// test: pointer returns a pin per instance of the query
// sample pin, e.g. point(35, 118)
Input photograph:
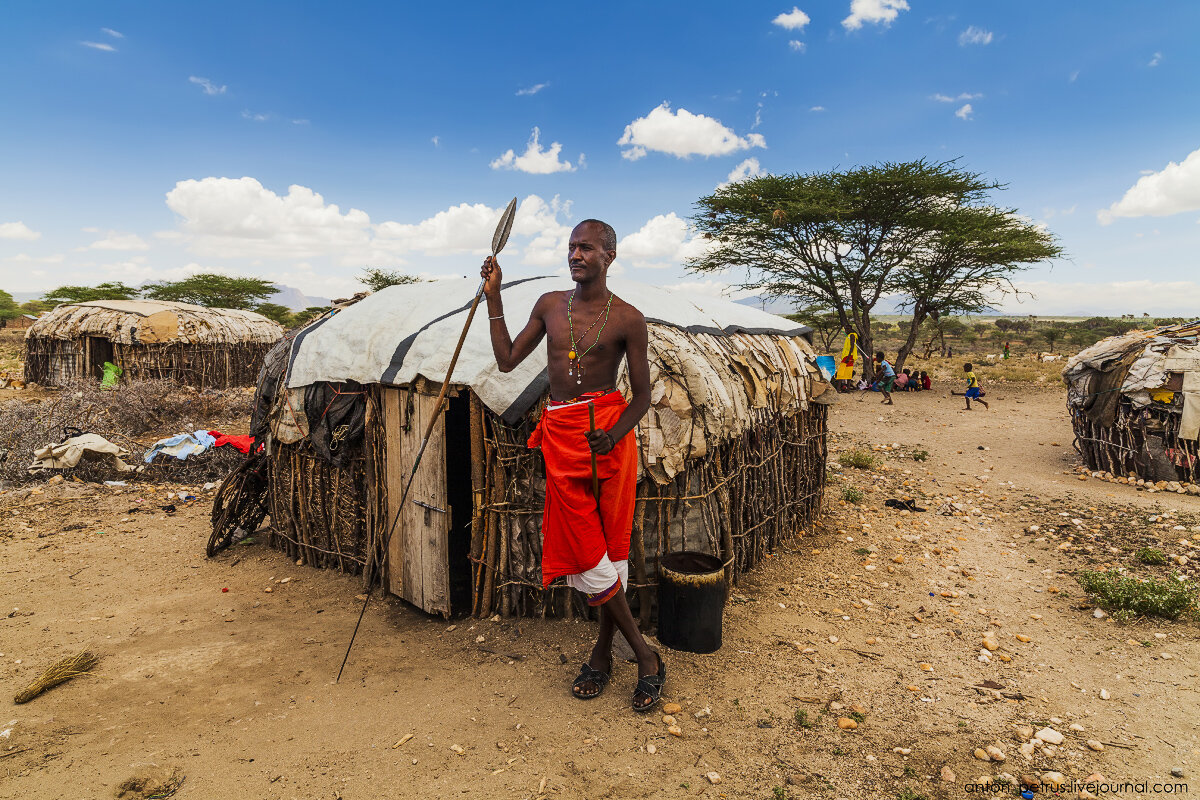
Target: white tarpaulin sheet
point(402, 332)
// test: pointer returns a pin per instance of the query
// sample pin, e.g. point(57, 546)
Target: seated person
point(926, 382)
point(902, 381)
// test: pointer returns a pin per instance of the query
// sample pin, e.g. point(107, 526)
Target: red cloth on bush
point(242, 443)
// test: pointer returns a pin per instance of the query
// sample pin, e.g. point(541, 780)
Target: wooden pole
point(591, 430)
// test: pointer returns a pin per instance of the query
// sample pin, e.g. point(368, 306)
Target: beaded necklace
point(576, 358)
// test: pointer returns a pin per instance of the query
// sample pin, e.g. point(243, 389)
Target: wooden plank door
point(419, 553)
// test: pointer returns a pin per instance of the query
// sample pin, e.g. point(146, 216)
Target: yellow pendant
point(571, 355)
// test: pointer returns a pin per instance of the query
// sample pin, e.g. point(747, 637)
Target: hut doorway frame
point(99, 349)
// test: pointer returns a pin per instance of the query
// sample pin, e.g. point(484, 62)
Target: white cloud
point(238, 217)
point(945, 98)
point(534, 160)
point(437, 141)
point(25, 258)
point(664, 241)
point(17, 230)
point(537, 87)
point(108, 48)
point(973, 35)
point(255, 117)
point(877, 12)
point(208, 86)
point(112, 33)
point(682, 134)
point(1158, 298)
point(119, 241)
point(301, 122)
point(965, 112)
point(797, 46)
point(750, 168)
point(793, 20)
point(1154, 62)
point(817, 108)
point(1074, 76)
point(1172, 190)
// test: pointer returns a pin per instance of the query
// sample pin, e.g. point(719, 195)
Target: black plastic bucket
point(691, 601)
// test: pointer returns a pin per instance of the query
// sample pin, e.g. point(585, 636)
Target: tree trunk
point(907, 348)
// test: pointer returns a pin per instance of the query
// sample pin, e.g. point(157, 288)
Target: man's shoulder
point(627, 309)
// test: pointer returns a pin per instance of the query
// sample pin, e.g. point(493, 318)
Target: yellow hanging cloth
point(845, 366)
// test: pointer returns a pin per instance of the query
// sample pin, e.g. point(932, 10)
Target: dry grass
point(57, 673)
point(133, 416)
point(10, 352)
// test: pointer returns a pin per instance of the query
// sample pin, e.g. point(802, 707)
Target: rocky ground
point(886, 654)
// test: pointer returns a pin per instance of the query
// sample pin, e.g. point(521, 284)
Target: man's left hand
point(600, 441)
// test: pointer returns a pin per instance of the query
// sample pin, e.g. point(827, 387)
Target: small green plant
point(859, 459)
point(837, 751)
point(920, 455)
point(852, 494)
point(858, 716)
point(1169, 597)
point(802, 719)
point(1151, 555)
point(910, 794)
point(862, 551)
point(685, 786)
point(909, 772)
point(779, 793)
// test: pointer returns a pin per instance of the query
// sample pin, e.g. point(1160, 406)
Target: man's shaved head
point(608, 236)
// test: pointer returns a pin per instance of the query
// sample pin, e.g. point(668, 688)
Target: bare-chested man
point(588, 331)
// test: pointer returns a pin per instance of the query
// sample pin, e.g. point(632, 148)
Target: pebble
point(904, 751)
point(995, 752)
point(1023, 638)
point(1099, 613)
point(846, 724)
point(1050, 736)
point(1104, 695)
point(1055, 779)
point(1075, 726)
point(833, 640)
point(947, 775)
point(1177, 772)
point(713, 777)
point(672, 708)
point(925, 667)
point(1095, 744)
point(990, 644)
point(458, 749)
point(675, 730)
point(982, 754)
point(1027, 748)
point(1024, 733)
point(651, 749)
point(668, 719)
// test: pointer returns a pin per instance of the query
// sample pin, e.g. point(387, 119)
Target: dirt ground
point(223, 670)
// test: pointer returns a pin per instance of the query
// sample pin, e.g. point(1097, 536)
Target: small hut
point(732, 451)
point(149, 339)
point(1135, 405)
point(18, 323)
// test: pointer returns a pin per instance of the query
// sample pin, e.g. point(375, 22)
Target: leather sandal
point(589, 674)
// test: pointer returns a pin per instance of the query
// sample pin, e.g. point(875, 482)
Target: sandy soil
point(234, 689)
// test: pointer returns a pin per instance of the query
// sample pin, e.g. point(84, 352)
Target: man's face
point(586, 256)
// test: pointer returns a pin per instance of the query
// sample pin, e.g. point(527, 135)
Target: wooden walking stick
point(499, 239)
point(592, 429)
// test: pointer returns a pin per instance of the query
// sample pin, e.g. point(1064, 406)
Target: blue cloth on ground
point(181, 445)
point(827, 365)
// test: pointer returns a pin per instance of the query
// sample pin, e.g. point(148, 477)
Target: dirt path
point(235, 688)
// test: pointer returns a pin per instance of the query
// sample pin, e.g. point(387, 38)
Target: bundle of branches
point(124, 416)
point(57, 673)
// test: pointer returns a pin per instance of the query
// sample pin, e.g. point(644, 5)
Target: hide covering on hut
point(732, 451)
point(1135, 405)
point(149, 339)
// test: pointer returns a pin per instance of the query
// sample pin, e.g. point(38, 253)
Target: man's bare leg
point(601, 657)
point(622, 617)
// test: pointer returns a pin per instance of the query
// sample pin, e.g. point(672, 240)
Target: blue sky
point(303, 141)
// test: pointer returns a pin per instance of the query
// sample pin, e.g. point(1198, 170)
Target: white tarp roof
point(402, 332)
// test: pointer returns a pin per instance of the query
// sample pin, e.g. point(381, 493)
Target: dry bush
point(122, 415)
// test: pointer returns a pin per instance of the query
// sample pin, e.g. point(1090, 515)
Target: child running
point(972, 392)
point(887, 377)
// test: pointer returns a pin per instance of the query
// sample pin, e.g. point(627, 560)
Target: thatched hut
point(203, 347)
point(732, 451)
point(1135, 405)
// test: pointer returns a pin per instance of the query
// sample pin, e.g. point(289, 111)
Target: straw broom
point(60, 671)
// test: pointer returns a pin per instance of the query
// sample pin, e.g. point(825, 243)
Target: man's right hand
point(490, 273)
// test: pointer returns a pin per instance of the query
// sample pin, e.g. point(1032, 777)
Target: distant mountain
point(295, 299)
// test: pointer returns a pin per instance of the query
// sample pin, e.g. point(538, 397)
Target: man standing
point(588, 331)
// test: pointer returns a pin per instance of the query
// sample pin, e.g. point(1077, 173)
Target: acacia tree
point(8, 307)
point(376, 278)
point(967, 264)
point(824, 321)
point(835, 238)
point(213, 290)
point(111, 290)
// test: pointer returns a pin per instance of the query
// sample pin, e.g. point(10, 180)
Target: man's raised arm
point(508, 353)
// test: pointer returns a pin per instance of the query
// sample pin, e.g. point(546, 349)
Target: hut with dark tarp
point(1135, 406)
point(732, 451)
point(210, 348)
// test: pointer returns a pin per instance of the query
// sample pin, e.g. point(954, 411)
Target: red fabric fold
point(242, 443)
point(576, 530)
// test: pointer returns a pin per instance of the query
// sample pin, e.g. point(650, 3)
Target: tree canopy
point(376, 278)
point(111, 290)
point(213, 290)
point(8, 307)
point(921, 232)
point(276, 312)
